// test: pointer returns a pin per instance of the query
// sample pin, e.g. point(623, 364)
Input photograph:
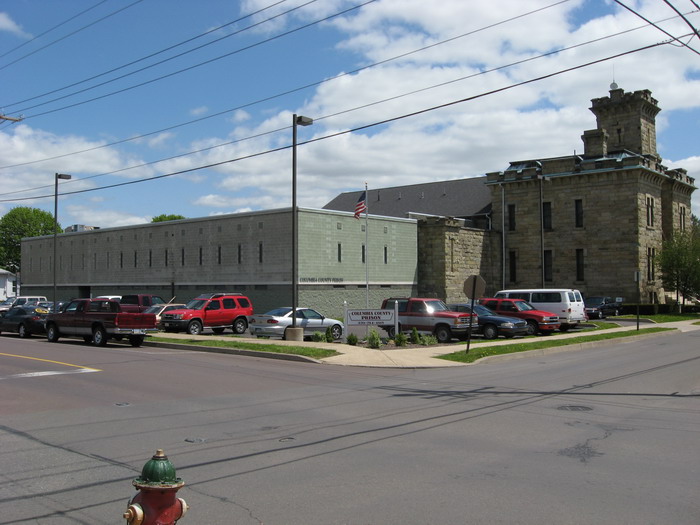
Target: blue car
point(491, 324)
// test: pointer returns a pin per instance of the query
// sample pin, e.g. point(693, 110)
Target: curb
point(235, 351)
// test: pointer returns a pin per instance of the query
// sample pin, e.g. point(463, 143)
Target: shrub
point(415, 336)
point(373, 339)
point(401, 339)
point(352, 339)
point(318, 337)
point(329, 335)
point(427, 340)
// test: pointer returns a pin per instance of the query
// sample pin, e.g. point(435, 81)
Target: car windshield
point(196, 304)
point(593, 301)
point(436, 306)
point(480, 309)
point(152, 310)
point(523, 306)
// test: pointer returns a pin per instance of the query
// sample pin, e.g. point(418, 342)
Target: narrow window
point(512, 267)
point(240, 253)
point(548, 274)
point(218, 255)
point(260, 252)
point(136, 259)
point(386, 255)
point(681, 212)
point(578, 213)
point(511, 217)
point(150, 258)
point(650, 211)
point(651, 271)
point(182, 257)
point(547, 216)
point(201, 258)
point(579, 264)
point(166, 257)
point(340, 252)
point(121, 259)
point(363, 254)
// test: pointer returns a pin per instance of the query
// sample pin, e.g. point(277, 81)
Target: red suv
point(217, 311)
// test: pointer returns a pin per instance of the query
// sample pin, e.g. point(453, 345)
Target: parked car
point(600, 307)
point(97, 321)
point(429, 315)
point(275, 323)
point(160, 309)
point(217, 311)
point(7, 304)
point(566, 303)
point(491, 324)
point(24, 299)
point(538, 321)
point(25, 321)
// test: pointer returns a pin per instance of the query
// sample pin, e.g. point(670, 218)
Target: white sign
point(369, 317)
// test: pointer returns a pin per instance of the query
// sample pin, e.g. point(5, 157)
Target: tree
point(164, 217)
point(679, 262)
point(17, 223)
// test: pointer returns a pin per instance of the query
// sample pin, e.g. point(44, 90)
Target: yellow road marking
point(54, 362)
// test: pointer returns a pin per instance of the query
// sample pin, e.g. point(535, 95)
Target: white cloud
point(89, 216)
point(10, 26)
point(198, 111)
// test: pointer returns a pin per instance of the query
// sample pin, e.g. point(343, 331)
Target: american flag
point(361, 205)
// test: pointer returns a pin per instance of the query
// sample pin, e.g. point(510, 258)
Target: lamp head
point(64, 176)
point(304, 121)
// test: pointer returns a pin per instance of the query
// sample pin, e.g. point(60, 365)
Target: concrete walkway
point(422, 357)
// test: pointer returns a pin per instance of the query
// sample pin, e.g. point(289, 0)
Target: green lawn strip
point(477, 353)
point(664, 318)
point(316, 353)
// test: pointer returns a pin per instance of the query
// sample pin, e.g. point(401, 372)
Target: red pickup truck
point(97, 321)
point(432, 316)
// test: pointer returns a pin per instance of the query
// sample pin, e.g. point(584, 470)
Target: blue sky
point(97, 104)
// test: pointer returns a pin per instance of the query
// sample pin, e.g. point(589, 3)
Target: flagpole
point(366, 246)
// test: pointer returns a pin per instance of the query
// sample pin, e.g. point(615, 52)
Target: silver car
point(275, 323)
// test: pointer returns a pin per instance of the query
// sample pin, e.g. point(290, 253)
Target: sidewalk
point(423, 357)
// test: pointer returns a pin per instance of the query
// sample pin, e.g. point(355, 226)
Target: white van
point(23, 299)
point(566, 303)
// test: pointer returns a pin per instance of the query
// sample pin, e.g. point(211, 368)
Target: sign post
point(474, 286)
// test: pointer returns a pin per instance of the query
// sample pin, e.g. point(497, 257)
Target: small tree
point(679, 262)
point(17, 223)
point(165, 217)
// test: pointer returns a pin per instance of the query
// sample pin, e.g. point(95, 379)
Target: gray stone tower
point(626, 121)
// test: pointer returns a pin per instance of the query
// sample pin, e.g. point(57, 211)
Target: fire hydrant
point(156, 504)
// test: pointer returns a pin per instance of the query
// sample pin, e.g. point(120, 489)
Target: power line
point(153, 55)
point(683, 17)
point(353, 130)
point(71, 34)
point(183, 70)
point(51, 29)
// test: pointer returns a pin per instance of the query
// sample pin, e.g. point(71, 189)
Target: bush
point(352, 339)
point(400, 339)
point(329, 335)
point(373, 339)
point(415, 336)
point(427, 340)
point(318, 337)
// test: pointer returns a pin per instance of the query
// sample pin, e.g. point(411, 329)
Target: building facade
point(250, 253)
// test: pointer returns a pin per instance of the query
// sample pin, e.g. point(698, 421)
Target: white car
point(275, 323)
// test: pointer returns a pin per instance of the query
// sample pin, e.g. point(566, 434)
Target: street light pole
point(63, 176)
point(297, 120)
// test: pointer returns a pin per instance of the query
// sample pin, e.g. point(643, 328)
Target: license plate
point(139, 331)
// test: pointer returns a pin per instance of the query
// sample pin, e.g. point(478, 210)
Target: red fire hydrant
point(156, 504)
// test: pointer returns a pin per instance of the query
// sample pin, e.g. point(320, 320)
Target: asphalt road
point(607, 435)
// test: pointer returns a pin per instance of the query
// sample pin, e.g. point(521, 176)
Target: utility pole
point(11, 119)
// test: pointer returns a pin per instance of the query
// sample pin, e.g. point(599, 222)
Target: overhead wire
point(156, 54)
point(26, 42)
point(355, 129)
point(683, 17)
point(266, 99)
point(183, 70)
point(71, 34)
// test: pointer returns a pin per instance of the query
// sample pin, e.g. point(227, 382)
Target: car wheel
point(443, 334)
point(99, 336)
point(240, 325)
point(564, 328)
point(194, 328)
point(52, 333)
point(136, 340)
point(218, 330)
point(532, 328)
point(22, 331)
point(616, 312)
point(336, 331)
point(490, 332)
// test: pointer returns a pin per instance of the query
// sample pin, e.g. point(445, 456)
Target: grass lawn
point(664, 318)
point(316, 353)
point(482, 351)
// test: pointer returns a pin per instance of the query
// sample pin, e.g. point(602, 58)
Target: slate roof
point(459, 198)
